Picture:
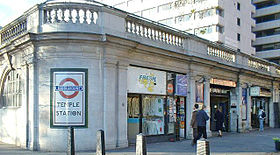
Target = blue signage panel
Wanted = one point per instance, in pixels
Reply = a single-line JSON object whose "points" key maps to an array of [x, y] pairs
{"points": [[181, 85]]}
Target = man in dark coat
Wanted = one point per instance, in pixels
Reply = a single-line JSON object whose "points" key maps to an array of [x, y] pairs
{"points": [[201, 118], [219, 117], [194, 123]]}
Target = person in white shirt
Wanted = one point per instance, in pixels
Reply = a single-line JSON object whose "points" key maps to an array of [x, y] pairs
{"points": [[261, 117]]}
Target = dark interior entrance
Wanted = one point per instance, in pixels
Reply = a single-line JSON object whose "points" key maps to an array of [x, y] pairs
{"points": [[256, 103], [219, 101]]}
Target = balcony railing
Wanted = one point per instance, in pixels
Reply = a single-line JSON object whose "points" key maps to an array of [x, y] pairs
{"points": [[225, 55], [152, 32], [12, 31], [258, 65], [70, 14]]}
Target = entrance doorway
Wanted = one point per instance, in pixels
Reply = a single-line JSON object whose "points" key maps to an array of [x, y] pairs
{"points": [[256, 103], [222, 102]]}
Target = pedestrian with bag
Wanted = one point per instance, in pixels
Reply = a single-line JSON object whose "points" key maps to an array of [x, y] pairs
{"points": [[194, 123], [201, 118], [261, 116], [219, 117]]}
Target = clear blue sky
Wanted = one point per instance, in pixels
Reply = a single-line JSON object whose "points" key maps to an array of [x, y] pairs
{"points": [[12, 9]]}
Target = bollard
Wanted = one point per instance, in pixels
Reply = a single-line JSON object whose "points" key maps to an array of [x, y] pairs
{"points": [[100, 143], [71, 142], [203, 147], [141, 145]]}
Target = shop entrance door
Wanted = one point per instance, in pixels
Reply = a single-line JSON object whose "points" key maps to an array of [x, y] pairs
{"points": [[221, 102], [256, 103]]}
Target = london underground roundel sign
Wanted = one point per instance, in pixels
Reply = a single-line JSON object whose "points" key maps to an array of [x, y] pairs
{"points": [[75, 88], [68, 93]]}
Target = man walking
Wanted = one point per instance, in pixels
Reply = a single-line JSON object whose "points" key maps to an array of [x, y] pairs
{"points": [[194, 123], [201, 118]]}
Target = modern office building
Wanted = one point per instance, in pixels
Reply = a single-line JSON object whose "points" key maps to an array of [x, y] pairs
{"points": [[222, 21], [267, 29]]}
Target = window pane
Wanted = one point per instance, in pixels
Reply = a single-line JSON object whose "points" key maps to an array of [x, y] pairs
{"points": [[12, 91], [153, 115]]}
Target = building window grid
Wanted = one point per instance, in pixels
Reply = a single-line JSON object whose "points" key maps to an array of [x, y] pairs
{"points": [[165, 7], [205, 13], [238, 21], [268, 32], [266, 4], [238, 6], [183, 18], [149, 12], [204, 30], [267, 18], [168, 21], [181, 3], [266, 47], [209, 29], [238, 37], [12, 92]]}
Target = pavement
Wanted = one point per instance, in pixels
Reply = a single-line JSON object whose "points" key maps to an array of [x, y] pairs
{"points": [[250, 143]]}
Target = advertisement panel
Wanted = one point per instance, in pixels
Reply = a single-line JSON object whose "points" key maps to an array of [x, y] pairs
{"points": [[199, 92], [181, 85], [244, 104], [146, 81], [68, 97]]}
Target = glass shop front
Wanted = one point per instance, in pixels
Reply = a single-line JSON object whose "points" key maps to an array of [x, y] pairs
{"points": [[156, 104]]}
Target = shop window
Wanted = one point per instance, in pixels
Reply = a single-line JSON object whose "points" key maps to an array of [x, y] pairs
{"points": [[171, 113], [12, 91], [153, 115]]}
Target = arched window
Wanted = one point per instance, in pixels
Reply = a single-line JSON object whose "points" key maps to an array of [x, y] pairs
{"points": [[12, 91]]}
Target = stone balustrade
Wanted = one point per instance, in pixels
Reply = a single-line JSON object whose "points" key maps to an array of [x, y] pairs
{"points": [[12, 31], [153, 32], [70, 14], [91, 17], [253, 63], [225, 55]]}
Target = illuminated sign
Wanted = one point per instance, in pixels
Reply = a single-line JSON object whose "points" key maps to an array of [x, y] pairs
{"points": [[223, 82]]}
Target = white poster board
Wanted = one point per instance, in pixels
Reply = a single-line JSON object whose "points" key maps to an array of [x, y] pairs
{"points": [[68, 107], [146, 81]]}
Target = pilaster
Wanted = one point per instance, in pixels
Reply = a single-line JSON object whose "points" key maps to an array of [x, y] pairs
{"points": [[249, 111], [207, 102], [190, 102], [275, 98], [122, 140], [239, 105], [110, 104]]}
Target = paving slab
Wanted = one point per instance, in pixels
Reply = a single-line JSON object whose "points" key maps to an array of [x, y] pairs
{"points": [[250, 143]]}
